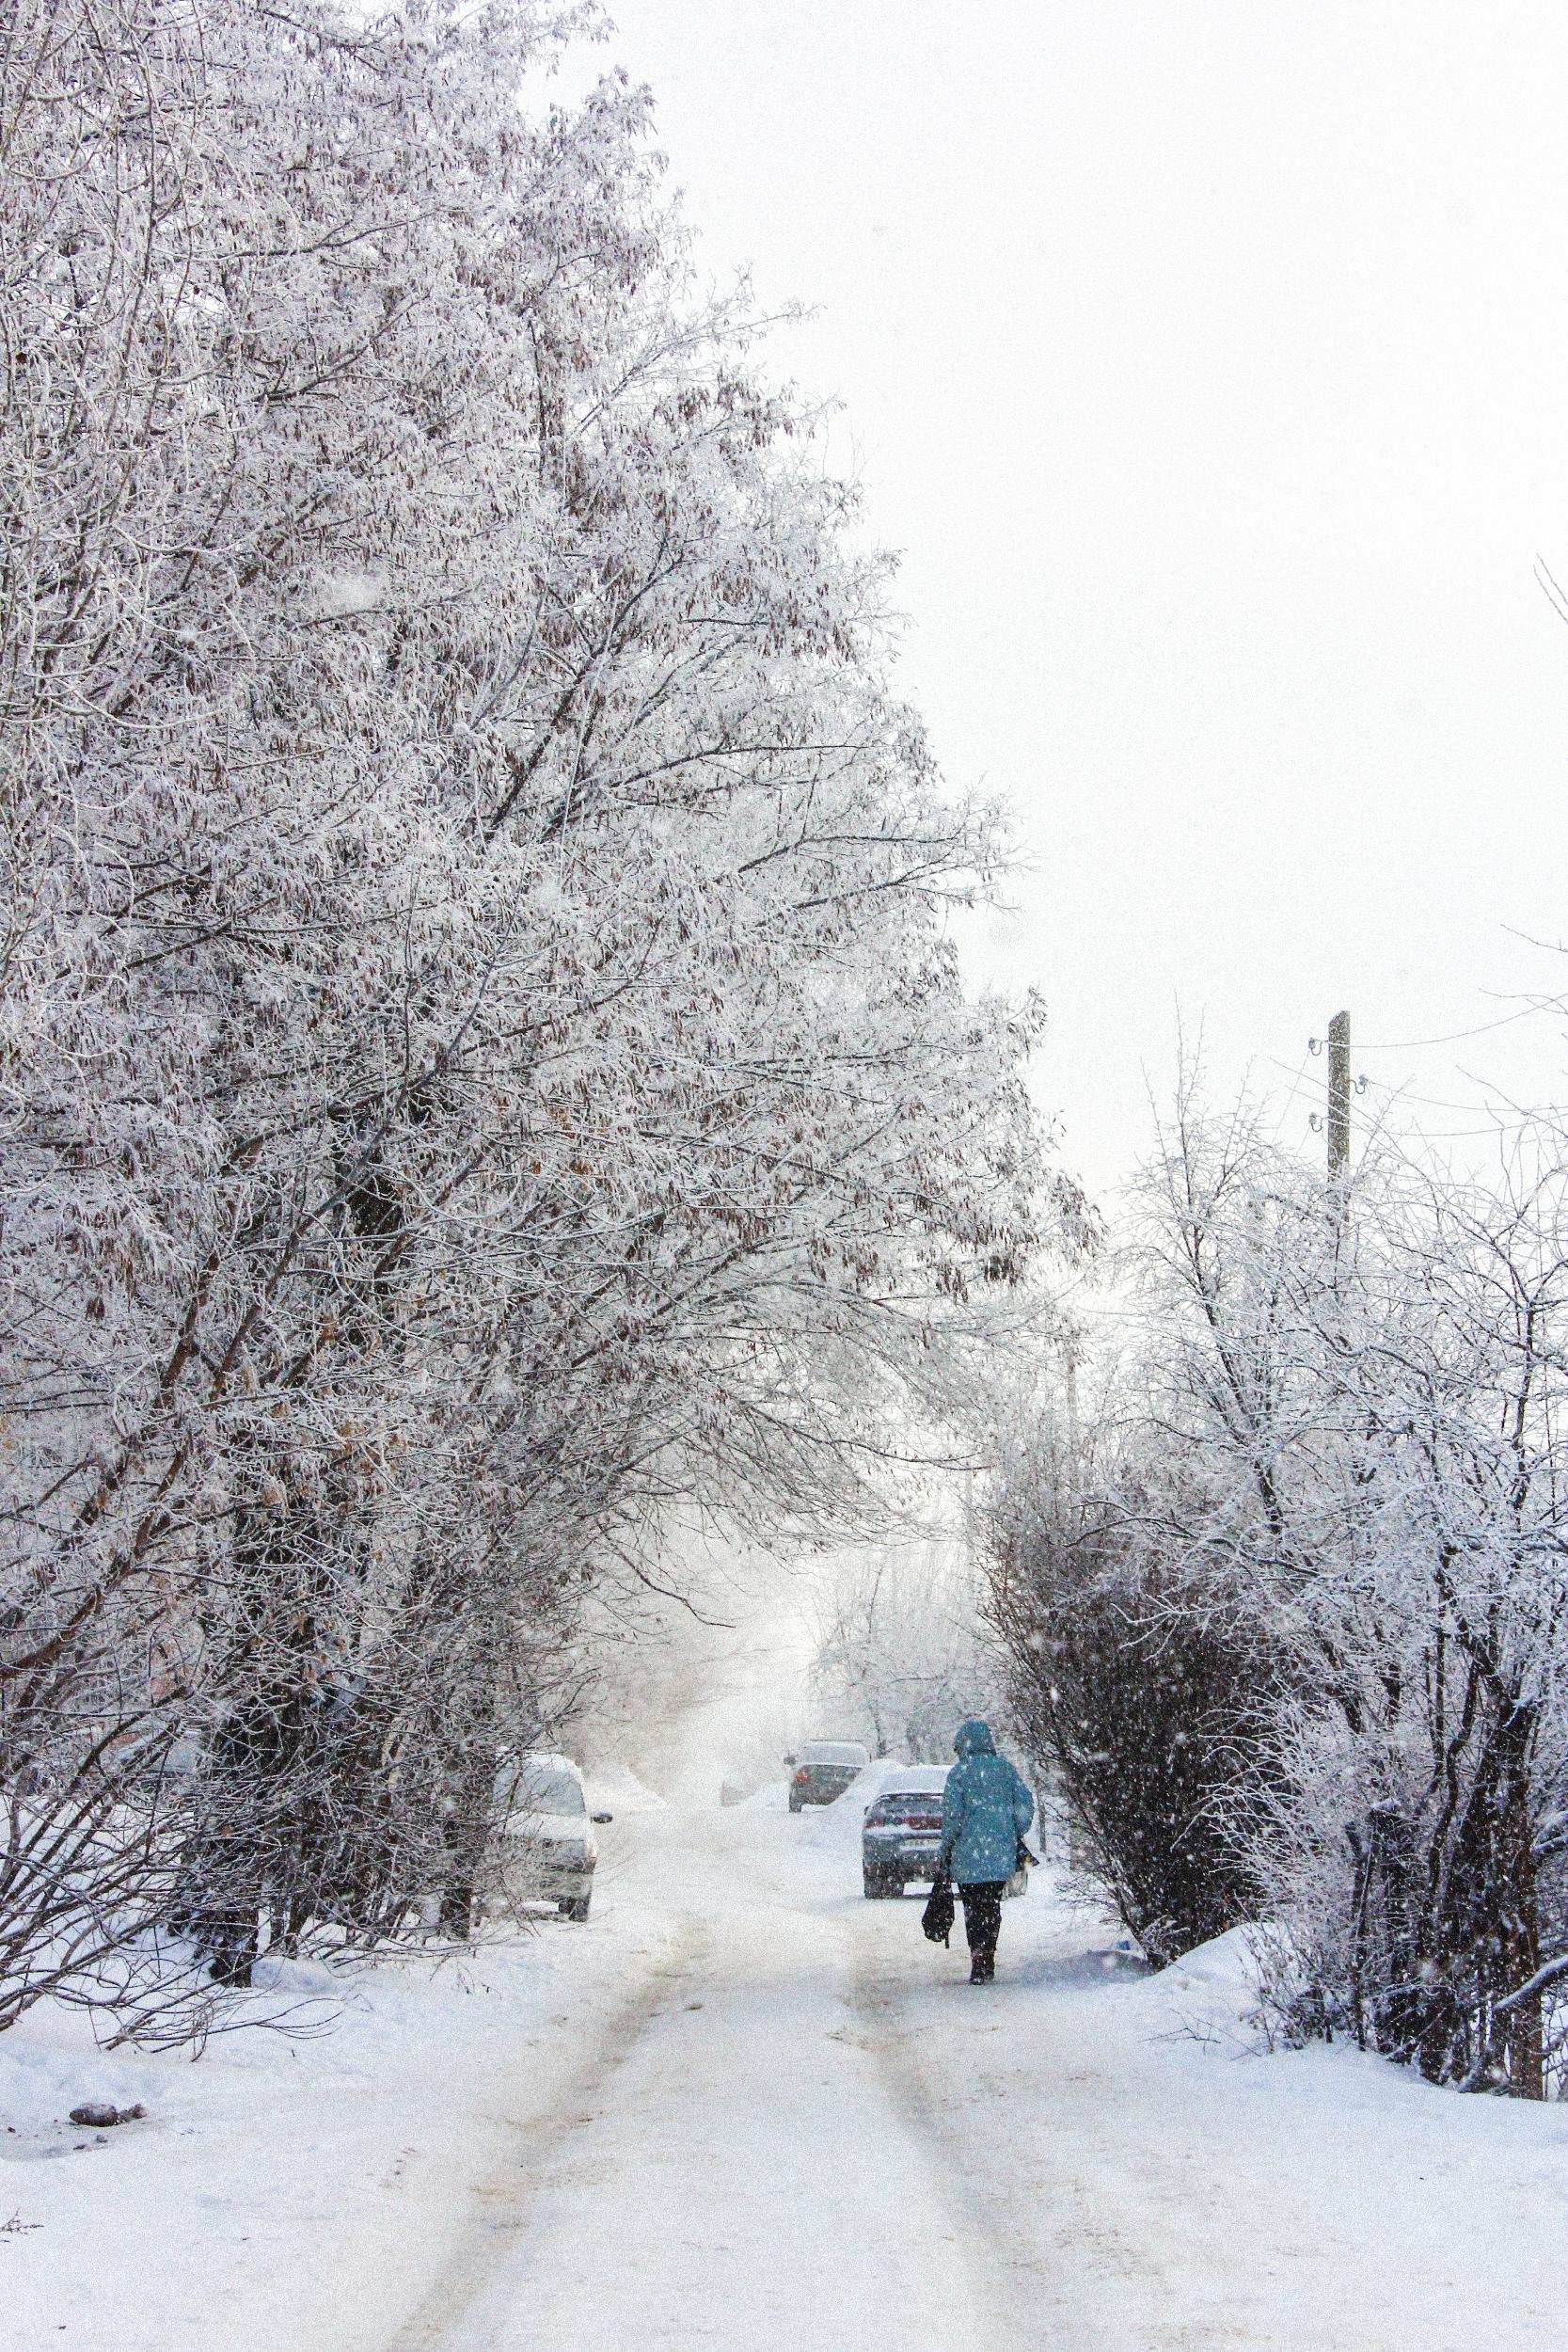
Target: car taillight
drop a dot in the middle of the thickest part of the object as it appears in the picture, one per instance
(801, 1777)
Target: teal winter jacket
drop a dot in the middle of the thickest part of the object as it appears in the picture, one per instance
(986, 1808)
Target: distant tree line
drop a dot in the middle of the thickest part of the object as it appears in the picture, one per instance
(900, 1653)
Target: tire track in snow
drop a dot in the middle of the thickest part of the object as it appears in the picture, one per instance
(747, 2185)
(904, 2016)
(504, 2199)
(1084, 2200)
(746, 2170)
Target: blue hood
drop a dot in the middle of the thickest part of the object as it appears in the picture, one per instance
(974, 1739)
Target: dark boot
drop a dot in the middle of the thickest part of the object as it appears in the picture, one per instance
(982, 1925)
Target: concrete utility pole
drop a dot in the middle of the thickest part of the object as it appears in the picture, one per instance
(1338, 1095)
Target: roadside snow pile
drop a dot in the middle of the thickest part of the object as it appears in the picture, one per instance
(615, 1789)
(1210, 1992)
(40, 2082)
(839, 1824)
(1221, 1973)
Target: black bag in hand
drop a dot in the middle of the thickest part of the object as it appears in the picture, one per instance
(937, 1918)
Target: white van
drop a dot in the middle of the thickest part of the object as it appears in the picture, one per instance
(549, 1831)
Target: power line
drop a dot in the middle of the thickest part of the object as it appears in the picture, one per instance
(1468, 1134)
(1440, 1102)
(1296, 1086)
(1300, 1088)
(1503, 1121)
(1456, 1037)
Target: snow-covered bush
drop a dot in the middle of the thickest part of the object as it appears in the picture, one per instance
(1143, 1711)
(1340, 1457)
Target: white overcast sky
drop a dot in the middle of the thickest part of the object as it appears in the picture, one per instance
(1208, 361)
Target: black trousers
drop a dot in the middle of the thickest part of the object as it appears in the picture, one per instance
(982, 1903)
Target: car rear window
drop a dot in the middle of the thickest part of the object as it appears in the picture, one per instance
(540, 1788)
(904, 1804)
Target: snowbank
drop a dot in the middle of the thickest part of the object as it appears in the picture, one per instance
(839, 1824)
(615, 1789)
(1216, 1983)
(772, 1797)
(287, 2190)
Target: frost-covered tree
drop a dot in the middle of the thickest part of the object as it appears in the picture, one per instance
(483, 1061)
(902, 1655)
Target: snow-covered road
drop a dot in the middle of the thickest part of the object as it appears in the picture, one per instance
(745, 2108)
(816, 2131)
(758, 2166)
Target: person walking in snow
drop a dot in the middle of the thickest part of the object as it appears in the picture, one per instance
(986, 1810)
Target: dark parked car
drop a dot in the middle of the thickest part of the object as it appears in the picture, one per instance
(823, 1771)
(903, 1830)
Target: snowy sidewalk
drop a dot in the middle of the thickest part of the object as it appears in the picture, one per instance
(745, 2109)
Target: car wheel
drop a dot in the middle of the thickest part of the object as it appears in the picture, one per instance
(795, 1805)
(575, 1906)
(878, 1888)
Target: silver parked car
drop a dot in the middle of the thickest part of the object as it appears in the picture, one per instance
(902, 1835)
(903, 1830)
(549, 1831)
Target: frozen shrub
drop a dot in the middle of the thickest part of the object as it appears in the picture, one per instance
(1303, 1597)
(1145, 1715)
